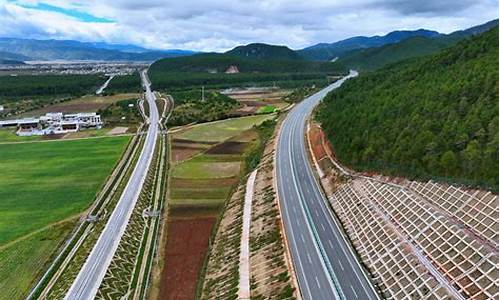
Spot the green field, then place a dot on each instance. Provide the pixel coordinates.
(45, 182)
(220, 131)
(44, 187)
(9, 136)
(23, 262)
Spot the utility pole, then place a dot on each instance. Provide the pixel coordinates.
(202, 93)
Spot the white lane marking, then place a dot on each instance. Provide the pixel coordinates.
(287, 215)
(317, 282)
(302, 237)
(316, 211)
(356, 267)
(341, 266)
(330, 243)
(323, 226)
(334, 288)
(309, 258)
(356, 295)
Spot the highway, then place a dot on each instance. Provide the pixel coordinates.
(324, 262)
(92, 273)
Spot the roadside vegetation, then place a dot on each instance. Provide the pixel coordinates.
(434, 117)
(44, 188)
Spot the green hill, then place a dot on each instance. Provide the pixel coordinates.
(264, 51)
(432, 117)
(209, 70)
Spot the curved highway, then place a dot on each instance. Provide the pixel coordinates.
(92, 273)
(324, 262)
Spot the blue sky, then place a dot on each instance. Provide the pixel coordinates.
(214, 25)
(73, 13)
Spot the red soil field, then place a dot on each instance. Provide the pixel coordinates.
(185, 251)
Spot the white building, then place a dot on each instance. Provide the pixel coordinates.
(54, 123)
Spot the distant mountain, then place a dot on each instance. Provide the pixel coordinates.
(476, 29)
(376, 57)
(120, 47)
(12, 56)
(325, 51)
(10, 62)
(264, 51)
(33, 49)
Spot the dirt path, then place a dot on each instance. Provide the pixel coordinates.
(244, 267)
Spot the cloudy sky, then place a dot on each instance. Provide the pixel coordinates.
(214, 25)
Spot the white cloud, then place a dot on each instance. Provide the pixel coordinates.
(210, 25)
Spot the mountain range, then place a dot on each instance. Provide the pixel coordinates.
(360, 52)
(325, 51)
(31, 49)
(376, 57)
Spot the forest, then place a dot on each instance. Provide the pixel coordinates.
(26, 86)
(124, 84)
(173, 81)
(435, 117)
(220, 62)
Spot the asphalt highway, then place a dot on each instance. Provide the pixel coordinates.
(324, 262)
(92, 273)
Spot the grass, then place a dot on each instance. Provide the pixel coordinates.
(27, 258)
(266, 109)
(205, 170)
(8, 135)
(43, 183)
(222, 130)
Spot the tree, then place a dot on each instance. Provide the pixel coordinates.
(449, 163)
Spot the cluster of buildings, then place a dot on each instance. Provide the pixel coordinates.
(74, 67)
(54, 123)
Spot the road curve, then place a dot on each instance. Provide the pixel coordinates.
(324, 262)
(92, 273)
